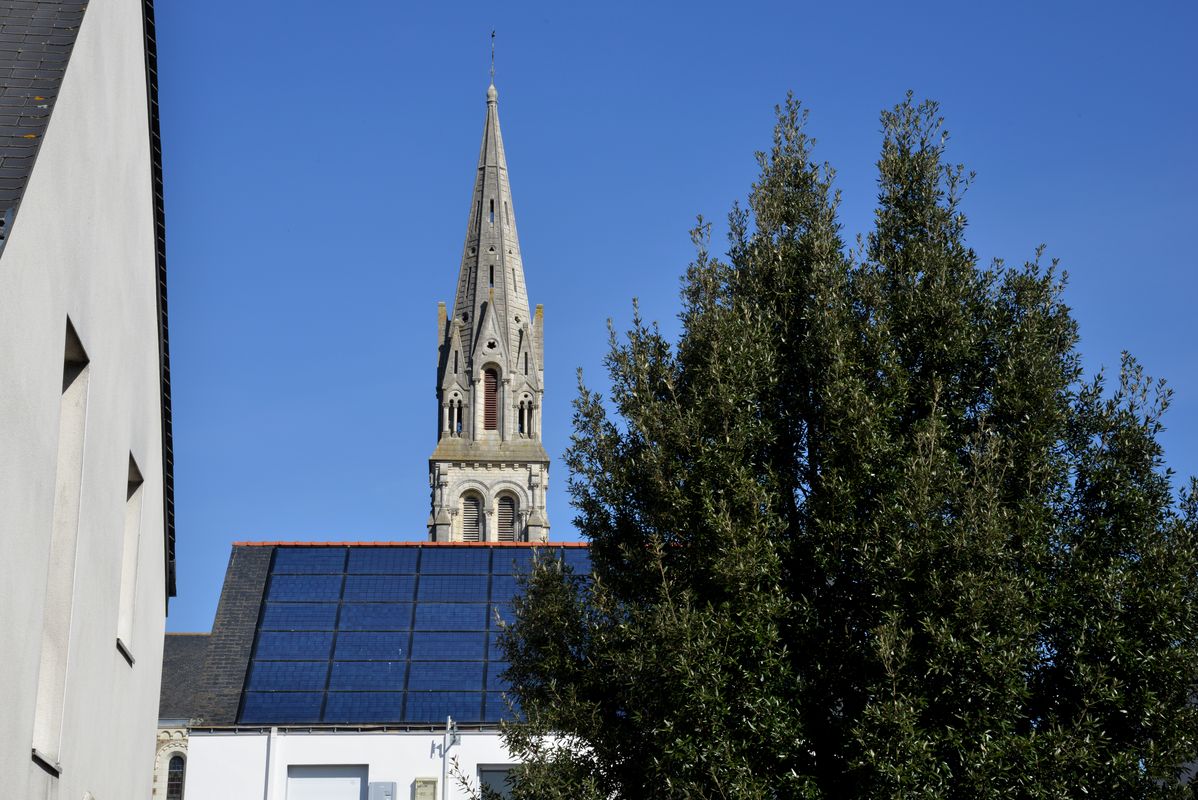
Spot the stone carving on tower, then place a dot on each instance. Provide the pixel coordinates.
(490, 471)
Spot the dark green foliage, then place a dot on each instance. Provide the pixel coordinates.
(865, 531)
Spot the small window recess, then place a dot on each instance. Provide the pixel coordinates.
(129, 561)
(63, 536)
(492, 278)
(492, 212)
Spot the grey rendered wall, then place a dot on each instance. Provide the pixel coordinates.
(83, 247)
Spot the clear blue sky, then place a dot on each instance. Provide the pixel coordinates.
(319, 159)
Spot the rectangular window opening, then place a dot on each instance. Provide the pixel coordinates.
(492, 276)
(131, 548)
(492, 212)
(490, 400)
(60, 574)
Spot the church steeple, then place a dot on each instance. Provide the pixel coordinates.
(489, 471)
(491, 280)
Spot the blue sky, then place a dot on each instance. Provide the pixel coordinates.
(319, 159)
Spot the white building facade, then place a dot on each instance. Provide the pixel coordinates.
(300, 764)
(85, 454)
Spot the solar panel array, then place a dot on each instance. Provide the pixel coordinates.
(369, 635)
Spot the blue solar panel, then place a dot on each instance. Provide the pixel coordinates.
(501, 706)
(579, 559)
(367, 675)
(428, 646)
(504, 588)
(363, 707)
(376, 616)
(386, 634)
(436, 706)
(289, 646)
(494, 651)
(495, 681)
(501, 613)
(445, 675)
(450, 617)
(299, 617)
(456, 561)
(371, 646)
(306, 588)
(281, 707)
(453, 588)
(380, 588)
(512, 560)
(288, 675)
(382, 560)
(309, 560)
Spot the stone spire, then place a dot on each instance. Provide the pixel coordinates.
(489, 471)
(492, 274)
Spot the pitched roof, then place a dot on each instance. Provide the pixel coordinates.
(36, 40)
(182, 664)
(372, 633)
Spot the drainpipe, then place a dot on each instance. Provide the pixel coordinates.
(271, 745)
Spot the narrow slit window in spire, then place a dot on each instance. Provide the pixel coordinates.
(492, 212)
(491, 400)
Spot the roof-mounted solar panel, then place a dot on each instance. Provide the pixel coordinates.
(386, 634)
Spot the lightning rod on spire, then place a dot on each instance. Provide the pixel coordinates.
(492, 56)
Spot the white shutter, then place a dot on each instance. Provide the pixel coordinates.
(471, 510)
(507, 519)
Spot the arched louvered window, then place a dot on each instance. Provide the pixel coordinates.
(490, 400)
(507, 519)
(174, 778)
(472, 508)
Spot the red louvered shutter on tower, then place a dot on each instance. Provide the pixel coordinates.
(490, 400)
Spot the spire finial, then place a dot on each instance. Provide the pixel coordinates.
(492, 56)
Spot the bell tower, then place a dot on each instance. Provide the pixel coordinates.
(489, 471)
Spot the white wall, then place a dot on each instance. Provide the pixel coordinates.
(235, 766)
(82, 246)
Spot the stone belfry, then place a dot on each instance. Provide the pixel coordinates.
(489, 471)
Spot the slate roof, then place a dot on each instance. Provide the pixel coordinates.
(36, 41)
(182, 664)
(361, 634)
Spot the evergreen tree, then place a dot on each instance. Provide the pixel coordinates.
(866, 530)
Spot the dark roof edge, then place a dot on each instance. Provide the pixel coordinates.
(164, 356)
